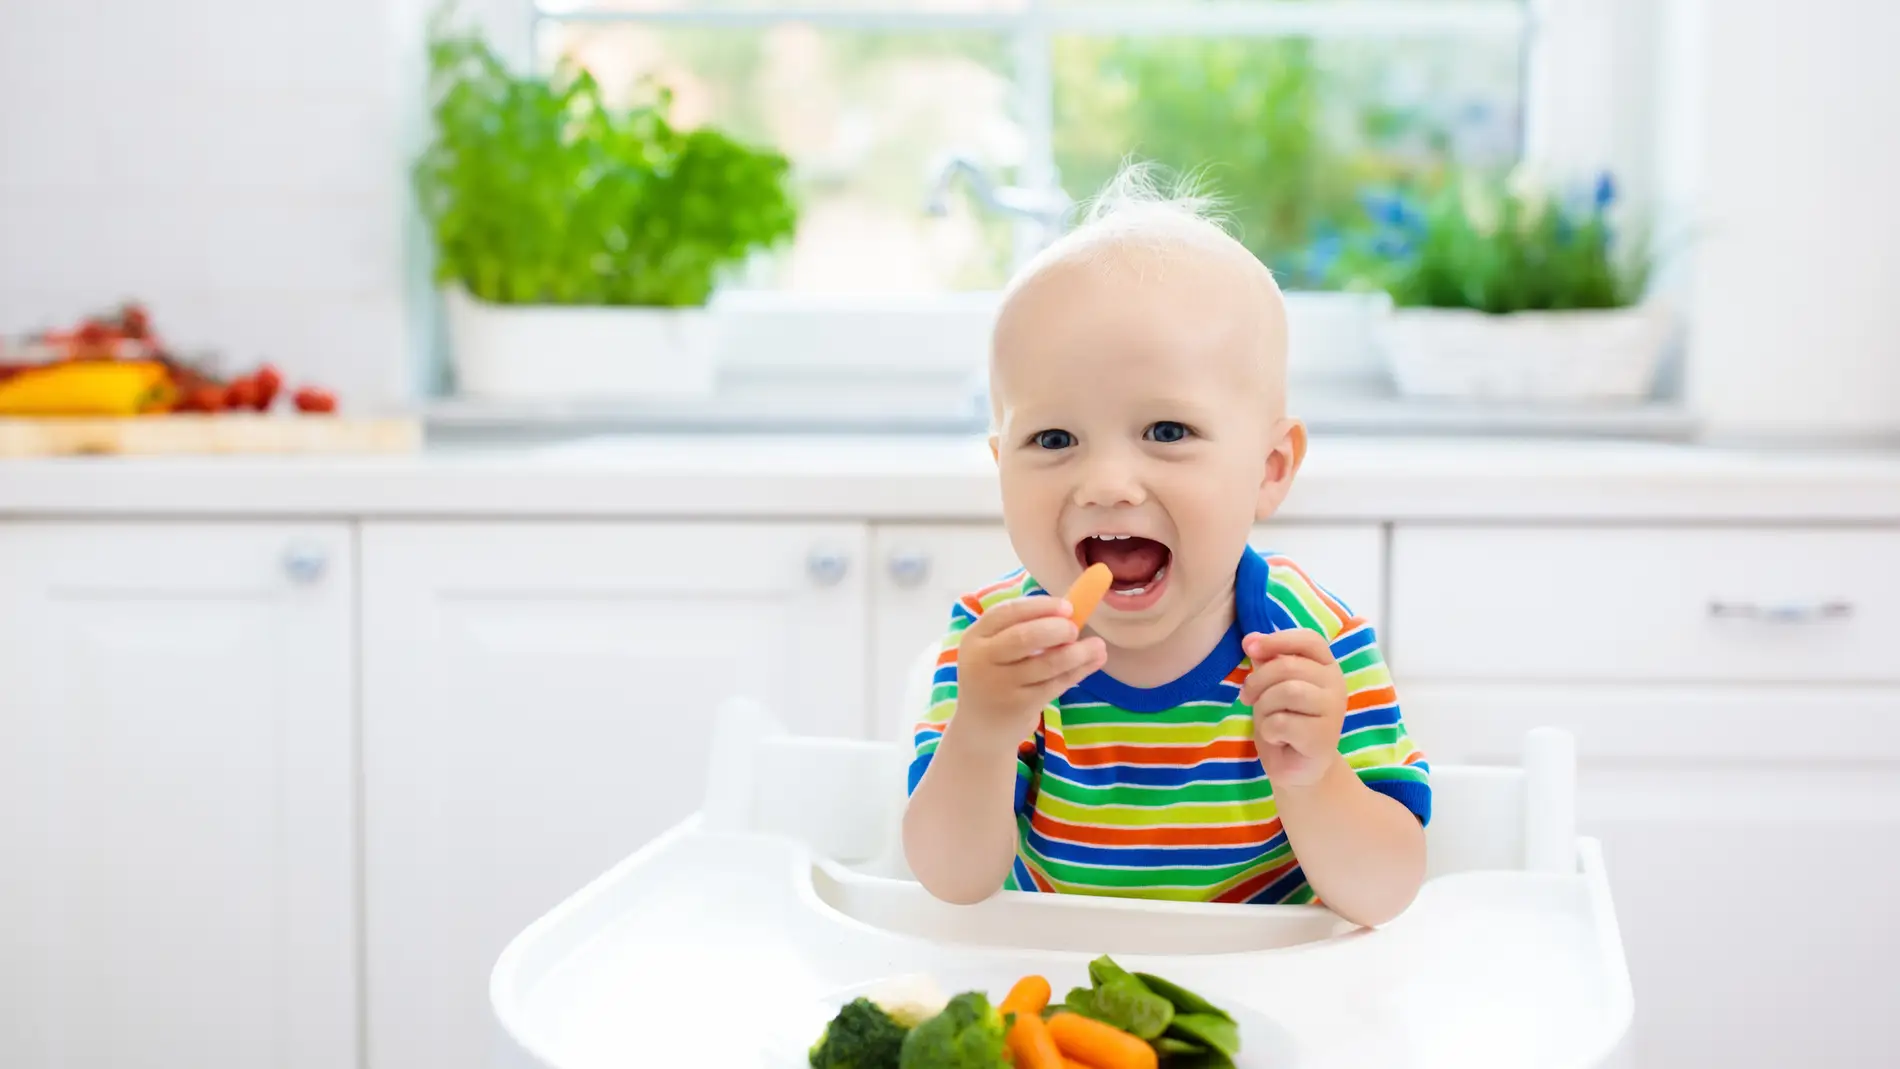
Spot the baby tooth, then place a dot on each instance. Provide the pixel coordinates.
(1132, 593)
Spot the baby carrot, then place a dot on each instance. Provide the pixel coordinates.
(1071, 1063)
(1029, 996)
(1088, 590)
(1093, 1043)
(1031, 1045)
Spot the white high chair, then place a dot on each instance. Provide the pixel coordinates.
(790, 882)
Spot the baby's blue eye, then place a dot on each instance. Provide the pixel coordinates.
(1167, 431)
(1054, 439)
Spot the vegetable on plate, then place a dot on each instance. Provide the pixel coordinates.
(1121, 1020)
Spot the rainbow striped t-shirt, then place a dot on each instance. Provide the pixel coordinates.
(1159, 792)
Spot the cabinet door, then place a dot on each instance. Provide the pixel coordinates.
(538, 703)
(177, 797)
(923, 568)
(1748, 833)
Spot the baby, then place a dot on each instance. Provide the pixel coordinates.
(1226, 731)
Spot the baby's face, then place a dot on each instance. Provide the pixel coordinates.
(1138, 424)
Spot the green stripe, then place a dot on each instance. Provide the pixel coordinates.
(1360, 660)
(1391, 774)
(1094, 715)
(1368, 737)
(1127, 794)
(1291, 600)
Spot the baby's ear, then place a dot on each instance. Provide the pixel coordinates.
(994, 455)
(1287, 445)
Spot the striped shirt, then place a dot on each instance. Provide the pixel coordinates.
(1159, 792)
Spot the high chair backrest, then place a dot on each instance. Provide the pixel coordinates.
(845, 798)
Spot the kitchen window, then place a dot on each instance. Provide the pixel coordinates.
(899, 114)
(1288, 108)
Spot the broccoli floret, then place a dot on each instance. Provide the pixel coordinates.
(862, 1036)
(968, 1034)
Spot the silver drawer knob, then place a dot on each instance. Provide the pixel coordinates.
(827, 567)
(305, 563)
(1785, 613)
(908, 569)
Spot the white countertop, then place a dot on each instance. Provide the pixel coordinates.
(943, 478)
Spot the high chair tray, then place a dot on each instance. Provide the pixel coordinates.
(709, 948)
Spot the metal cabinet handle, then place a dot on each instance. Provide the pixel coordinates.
(305, 562)
(827, 567)
(909, 569)
(1789, 613)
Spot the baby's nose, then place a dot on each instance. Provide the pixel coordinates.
(1108, 483)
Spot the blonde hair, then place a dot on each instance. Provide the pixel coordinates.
(1144, 209)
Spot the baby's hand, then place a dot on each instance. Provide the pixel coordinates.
(1298, 695)
(1014, 660)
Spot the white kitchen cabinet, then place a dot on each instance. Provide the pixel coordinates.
(922, 568)
(1749, 834)
(177, 792)
(537, 703)
(1648, 604)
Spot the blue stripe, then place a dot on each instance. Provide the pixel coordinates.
(945, 673)
(1277, 891)
(922, 736)
(1156, 776)
(1382, 717)
(1416, 797)
(1024, 882)
(1146, 857)
(1352, 642)
(917, 768)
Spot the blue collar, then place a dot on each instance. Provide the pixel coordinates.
(1253, 611)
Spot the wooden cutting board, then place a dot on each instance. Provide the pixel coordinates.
(223, 433)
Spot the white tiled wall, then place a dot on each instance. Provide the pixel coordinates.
(237, 164)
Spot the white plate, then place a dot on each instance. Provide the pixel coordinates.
(1264, 1043)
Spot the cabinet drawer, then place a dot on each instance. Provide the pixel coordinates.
(1646, 604)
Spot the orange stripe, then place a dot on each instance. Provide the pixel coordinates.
(1415, 757)
(1241, 892)
(948, 656)
(1241, 835)
(1098, 756)
(1370, 699)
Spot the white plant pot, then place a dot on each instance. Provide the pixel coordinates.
(580, 352)
(1606, 355)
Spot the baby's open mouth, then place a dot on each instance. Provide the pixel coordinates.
(1138, 564)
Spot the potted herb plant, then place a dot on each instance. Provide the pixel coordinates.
(579, 245)
(1504, 289)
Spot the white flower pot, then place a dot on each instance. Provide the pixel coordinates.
(579, 352)
(1607, 355)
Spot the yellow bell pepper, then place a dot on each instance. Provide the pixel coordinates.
(89, 388)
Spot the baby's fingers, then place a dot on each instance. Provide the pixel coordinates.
(1093, 654)
(1000, 618)
(1030, 638)
(1083, 656)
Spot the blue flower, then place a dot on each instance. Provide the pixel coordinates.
(1604, 194)
(1392, 210)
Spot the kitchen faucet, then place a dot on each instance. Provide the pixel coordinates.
(1044, 211)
